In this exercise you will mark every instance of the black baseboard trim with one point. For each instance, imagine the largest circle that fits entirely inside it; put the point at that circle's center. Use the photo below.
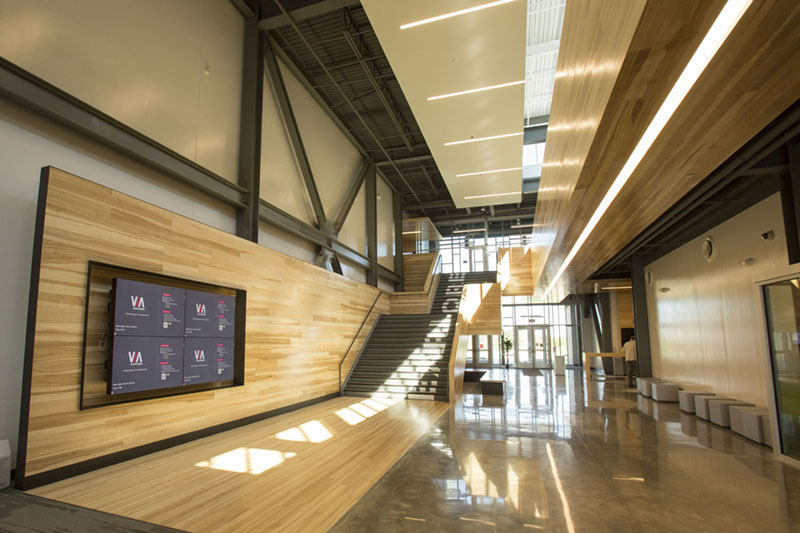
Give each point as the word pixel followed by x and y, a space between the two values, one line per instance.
pixel 58 474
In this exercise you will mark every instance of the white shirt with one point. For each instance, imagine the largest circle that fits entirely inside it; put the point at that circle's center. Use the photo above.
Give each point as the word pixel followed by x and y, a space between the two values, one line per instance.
pixel 630 350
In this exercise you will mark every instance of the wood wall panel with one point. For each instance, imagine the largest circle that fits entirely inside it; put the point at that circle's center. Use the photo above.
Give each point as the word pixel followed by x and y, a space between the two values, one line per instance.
pixel 625 309
pixel 416 270
pixel 514 268
pixel 300 321
pixel 750 81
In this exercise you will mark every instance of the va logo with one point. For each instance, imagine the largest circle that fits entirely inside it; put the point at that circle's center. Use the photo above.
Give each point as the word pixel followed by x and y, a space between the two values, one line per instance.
pixel 135 358
pixel 199 356
pixel 137 302
pixel 201 309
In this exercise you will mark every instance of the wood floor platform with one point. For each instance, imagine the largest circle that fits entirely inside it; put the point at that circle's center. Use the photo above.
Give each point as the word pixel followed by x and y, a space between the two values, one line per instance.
pixel 296 472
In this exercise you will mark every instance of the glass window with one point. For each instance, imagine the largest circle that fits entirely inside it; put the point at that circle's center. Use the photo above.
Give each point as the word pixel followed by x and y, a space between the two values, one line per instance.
pixel 782 301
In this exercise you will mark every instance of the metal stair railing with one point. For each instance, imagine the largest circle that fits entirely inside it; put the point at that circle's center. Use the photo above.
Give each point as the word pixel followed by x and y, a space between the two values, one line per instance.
pixel 354 340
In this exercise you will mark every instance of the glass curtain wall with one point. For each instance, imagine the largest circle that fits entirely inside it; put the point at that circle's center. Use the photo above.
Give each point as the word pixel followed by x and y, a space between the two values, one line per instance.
pixel 464 252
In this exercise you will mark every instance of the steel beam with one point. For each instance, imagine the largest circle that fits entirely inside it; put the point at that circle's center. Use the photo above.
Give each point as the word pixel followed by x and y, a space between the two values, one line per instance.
pixel 296 140
pixel 303 13
pixel 370 189
pixel 35 94
pixel 338 87
pixel 352 192
pixel 400 161
pixel 248 8
pixel 397 211
pixel 641 327
pixel 381 91
pixel 303 78
pixel 250 129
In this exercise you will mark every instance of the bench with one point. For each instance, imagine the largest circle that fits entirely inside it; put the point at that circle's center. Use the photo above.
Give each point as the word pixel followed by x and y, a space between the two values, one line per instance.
pixel 645 385
pixel 665 392
pixel 686 398
pixel 492 381
pixel 701 405
pixel 750 422
pixel 719 410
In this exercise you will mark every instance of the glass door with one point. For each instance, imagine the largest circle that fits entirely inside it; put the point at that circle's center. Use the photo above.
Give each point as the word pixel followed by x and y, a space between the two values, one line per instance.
pixel 477 258
pixel 782 301
pixel 541 347
pixel 523 346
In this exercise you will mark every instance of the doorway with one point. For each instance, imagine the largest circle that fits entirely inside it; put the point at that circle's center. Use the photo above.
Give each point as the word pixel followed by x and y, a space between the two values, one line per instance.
pixel 532 346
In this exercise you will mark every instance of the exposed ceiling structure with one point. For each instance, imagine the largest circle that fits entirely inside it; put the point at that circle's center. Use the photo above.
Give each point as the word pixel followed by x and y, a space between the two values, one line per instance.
pixel 362 91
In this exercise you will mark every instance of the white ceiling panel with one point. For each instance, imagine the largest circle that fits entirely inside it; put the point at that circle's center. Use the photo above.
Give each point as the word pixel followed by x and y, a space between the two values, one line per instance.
pixel 470 51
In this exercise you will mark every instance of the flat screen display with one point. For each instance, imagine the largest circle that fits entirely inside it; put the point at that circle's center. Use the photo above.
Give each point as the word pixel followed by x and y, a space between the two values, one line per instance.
pixel 209 315
pixel 169 337
pixel 148 310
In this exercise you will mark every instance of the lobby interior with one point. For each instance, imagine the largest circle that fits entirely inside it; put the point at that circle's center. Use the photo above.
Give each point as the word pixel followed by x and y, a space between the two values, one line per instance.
pixel 437 224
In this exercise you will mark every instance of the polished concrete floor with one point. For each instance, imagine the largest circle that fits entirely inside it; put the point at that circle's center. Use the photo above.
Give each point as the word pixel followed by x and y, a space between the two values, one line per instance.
pixel 551 455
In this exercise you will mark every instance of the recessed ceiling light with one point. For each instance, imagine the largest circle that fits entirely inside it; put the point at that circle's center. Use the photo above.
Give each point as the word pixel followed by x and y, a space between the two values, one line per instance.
pixel 497 171
pixel 717 34
pixel 490 195
pixel 454 14
pixel 465 141
pixel 468 230
pixel 478 90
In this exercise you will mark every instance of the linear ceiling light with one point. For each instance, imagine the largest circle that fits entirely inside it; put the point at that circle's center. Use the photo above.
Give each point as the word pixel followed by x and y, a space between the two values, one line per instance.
pixel 496 171
pixel 454 14
pixel 517 226
pixel 719 31
pixel 468 230
pixel 478 90
pixel 411 232
pixel 490 195
pixel 615 288
pixel 465 141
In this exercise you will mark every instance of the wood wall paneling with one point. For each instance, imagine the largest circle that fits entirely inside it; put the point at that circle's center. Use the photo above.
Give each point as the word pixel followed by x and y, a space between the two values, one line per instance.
pixel 514 266
pixel 750 81
pixel 416 270
pixel 300 321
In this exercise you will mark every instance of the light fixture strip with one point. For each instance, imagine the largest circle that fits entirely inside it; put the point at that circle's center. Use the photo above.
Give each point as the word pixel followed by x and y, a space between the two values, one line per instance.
pixel 719 31
pixel 491 195
pixel 615 288
pixel 411 232
pixel 478 90
pixel 454 14
pixel 496 171
pixel 518 226
pixel 468 230
pixel 493 137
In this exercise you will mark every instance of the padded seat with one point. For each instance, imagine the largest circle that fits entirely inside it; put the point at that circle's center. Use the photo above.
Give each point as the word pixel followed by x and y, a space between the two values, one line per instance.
pixel 686 399
pixel 766 429
pixel 645 385
pixel 701 405
pixel 719 410
pixel 665 392
pixel 747 421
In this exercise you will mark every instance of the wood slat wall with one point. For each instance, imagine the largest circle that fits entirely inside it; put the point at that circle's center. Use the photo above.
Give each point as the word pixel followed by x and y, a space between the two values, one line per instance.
pixel 300 321
pixel 416 270
pixel 514 267
pixel 751 80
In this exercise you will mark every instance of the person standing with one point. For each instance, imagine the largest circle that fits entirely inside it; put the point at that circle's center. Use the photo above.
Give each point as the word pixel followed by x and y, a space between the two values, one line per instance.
pixel 629 348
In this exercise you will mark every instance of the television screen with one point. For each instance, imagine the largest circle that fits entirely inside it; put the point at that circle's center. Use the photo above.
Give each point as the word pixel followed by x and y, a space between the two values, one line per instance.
pixel 207 360
pixel 169 337
pixel 148 310
pixel 209 314
pixel 146 363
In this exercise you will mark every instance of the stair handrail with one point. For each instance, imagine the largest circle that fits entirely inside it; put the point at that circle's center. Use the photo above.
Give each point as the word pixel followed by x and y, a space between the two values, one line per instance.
pixel 380 293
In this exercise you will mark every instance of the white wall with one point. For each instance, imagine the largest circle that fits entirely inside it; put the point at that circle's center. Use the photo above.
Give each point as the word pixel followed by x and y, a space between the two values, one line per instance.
pixel 706 318
pixel 354 229
pixel 170 70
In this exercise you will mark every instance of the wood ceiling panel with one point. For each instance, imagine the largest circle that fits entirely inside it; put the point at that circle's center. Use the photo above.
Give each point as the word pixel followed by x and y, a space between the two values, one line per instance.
pixel 594 40
pixel 752 79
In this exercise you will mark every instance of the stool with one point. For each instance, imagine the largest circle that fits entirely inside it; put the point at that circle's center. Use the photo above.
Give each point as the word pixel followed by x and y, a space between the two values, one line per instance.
pixel 686 399
pixel 701 405
pixel 719 410
pixel 665 392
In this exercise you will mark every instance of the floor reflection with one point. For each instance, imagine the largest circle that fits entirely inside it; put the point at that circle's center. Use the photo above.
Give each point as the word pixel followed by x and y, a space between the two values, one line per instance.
pixel 551 454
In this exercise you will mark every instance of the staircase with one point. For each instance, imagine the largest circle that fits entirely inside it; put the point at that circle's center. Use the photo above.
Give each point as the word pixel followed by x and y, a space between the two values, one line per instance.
pixel 407 356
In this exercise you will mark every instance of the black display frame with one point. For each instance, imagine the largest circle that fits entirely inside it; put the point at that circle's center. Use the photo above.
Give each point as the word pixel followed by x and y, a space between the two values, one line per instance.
pixel 182 283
